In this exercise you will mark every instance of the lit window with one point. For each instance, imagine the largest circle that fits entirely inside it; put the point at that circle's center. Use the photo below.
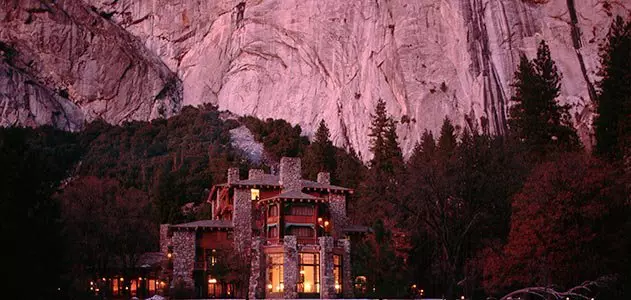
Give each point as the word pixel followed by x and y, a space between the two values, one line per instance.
pixel 309 280
pixel 337 273
pixel 255 194
pixel 275 273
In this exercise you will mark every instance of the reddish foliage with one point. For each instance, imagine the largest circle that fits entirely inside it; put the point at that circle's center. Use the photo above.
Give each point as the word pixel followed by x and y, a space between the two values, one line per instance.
pixel 563 215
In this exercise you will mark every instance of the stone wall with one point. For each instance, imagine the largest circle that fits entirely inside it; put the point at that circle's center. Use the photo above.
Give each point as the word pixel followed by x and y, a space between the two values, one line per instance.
pixel 290 173
pixel 256 288
pixel 337 207
pixel 183 257
pixel 324 178
pixel 233 175
pixel 347 279
pixel 255 173
pixel 327 283
pixel 290 267
pixel 165 238
pixel 242 220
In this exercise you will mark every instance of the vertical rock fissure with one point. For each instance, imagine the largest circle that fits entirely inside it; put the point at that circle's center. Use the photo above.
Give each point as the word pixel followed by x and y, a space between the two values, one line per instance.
pixel 576 40
pixel 482 63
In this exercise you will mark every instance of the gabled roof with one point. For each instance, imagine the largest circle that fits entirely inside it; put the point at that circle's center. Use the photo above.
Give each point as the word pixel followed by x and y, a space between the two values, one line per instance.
pixel 316 185
pixel 274 181
pixel 293 194
pixel 263 179
pixel 219 224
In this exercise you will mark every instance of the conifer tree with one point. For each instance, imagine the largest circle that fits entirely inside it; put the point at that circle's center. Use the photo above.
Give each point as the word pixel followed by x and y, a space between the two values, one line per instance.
pixel 447 140
pixel 612 123
pixel 320 155
pixel 536 119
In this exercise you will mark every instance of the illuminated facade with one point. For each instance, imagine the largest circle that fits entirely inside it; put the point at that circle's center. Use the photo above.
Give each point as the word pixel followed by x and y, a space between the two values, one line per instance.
pixel 293 232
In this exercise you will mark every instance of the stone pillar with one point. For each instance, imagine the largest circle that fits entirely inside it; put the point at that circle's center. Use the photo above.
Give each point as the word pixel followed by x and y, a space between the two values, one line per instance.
pixel 183 257
pixel 165 238
pixel 242 220
pixel 290 267
pixel 255 173
pixel 324 178
pixel 347 279
pixel 257 274
pixel 327 281
pixel 290 173
pixel 337 207
pixel 233 175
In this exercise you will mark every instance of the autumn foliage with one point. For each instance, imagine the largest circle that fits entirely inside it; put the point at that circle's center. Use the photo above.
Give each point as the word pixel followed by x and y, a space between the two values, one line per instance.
pixel 565 227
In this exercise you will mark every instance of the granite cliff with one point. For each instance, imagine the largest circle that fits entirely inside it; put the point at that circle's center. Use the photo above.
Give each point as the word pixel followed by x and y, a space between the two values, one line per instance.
pixel 293 59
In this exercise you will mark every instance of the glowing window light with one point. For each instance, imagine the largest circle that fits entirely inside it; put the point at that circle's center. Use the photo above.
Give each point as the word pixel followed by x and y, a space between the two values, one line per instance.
pixel 255 194
pixel 307 287
pixel 269 286
pixel 212 280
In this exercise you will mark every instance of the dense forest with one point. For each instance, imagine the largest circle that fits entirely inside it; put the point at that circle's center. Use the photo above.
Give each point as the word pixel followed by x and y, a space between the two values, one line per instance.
pixel 468 213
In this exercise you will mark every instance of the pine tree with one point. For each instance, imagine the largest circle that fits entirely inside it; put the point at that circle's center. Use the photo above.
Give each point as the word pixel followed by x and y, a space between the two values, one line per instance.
pixel 320 155
pixel 613 107
pixel 447 140
pixel 384 144
pixel 536 117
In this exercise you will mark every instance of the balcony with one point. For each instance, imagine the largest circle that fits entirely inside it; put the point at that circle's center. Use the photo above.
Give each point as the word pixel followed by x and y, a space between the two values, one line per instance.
pixel 300 219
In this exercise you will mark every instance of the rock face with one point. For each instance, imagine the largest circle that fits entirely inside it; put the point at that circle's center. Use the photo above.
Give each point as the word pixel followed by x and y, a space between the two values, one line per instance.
pixel 306 60
pixel 65 63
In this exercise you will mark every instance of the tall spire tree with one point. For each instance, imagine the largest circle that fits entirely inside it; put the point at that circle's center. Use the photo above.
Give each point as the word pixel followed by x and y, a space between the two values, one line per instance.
pixel 320 155
pixel 537 119
pixel 613 105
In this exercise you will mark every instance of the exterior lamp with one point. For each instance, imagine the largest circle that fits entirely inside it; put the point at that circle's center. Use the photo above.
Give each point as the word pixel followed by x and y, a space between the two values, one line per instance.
pixel 139 278
pixel 326 223
pixel 169 255
pixel 462 297
pixel 269 286
pixel 122 279
pixel 319 220
pixel 212 280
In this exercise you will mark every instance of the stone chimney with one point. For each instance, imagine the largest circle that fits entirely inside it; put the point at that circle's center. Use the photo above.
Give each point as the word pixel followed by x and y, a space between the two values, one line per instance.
pixel 255 173
pixel 324 178
pixel 233 175
pixel 290 173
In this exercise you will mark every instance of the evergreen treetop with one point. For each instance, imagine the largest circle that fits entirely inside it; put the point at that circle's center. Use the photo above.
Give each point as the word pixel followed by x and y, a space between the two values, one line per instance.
pixel 613 104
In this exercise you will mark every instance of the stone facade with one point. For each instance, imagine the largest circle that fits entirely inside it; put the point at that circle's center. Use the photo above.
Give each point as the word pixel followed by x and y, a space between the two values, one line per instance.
pixel 290 266
pixel 324 178
pixel 242 219
pixel 337 207
pixel 347 279
pixel 327 281
pixel 255 173
pixel 290 173
pixel 233 175
pixel 183 257
pixel 257 273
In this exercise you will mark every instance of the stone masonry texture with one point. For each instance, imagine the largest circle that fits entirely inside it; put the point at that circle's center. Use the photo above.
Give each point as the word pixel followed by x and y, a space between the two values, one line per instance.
pixel 324 178
pixel 183 257
pixel 255 173
pixel 290 267
pixel 347 280
pixel 256 288
pixel 242 219
pixel 327 281
pixel 233 175
pixel 337 207
pixel 290 173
